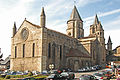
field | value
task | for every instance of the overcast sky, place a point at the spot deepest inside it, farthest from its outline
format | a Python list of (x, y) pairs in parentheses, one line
[(57, 14)]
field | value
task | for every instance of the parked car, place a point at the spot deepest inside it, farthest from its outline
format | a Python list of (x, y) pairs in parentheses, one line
[(53, 77), (100, 76), (93, 68), (68, 75), (65, 75), (87, 77), (84, 69), (44, 72)]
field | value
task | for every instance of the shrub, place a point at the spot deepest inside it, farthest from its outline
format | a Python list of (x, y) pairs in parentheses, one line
[(30, 74), (38, 77), (7, 77), (2, 76)]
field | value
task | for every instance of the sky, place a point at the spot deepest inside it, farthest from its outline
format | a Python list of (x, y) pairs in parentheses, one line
[(57, 14)]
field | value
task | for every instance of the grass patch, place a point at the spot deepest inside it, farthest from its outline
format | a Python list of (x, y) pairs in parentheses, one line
[(42, 76), (22, 76), (15, 76)]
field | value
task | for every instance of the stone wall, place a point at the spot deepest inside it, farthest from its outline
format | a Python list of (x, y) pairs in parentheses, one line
[(58, 40), (22, 64)]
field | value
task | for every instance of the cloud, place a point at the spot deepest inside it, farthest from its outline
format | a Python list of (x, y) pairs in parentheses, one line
[(113, 34), (82, 3), (62, 8), (55, 9), (101, 14), (89, 20), (109, 13), (114, 24), (111, 28), (8, 14)]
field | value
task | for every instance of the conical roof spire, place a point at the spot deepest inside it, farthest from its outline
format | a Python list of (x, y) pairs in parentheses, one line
[(43, 12), (14, 29), (14, 25), (96, 20), (109, 40), (75, 15), (42, 18), (99, 27)]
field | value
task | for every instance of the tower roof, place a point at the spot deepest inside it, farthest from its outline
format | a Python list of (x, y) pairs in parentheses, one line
[(99, 27), (14, 25), (96, 20), (75, 15), (109, 40), (42, 12)]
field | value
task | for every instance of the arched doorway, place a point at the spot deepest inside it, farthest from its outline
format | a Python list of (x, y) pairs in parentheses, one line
[(76, 65)]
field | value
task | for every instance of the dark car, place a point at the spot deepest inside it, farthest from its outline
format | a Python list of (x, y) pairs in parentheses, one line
[(87, 77), (54, 77)]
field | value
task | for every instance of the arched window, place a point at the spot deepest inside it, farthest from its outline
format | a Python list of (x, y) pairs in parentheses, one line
[(60, 52), (15, 51), (94, 54), (98, 33), (93, 30), (33, 53), (53, 52), (49, 50), (23, 50)]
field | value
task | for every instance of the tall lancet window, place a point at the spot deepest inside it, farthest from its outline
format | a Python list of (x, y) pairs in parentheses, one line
[(23, 50), (93, 30), (33, 53), (49, 50), (53, 52), (60, 52), (15, 51)]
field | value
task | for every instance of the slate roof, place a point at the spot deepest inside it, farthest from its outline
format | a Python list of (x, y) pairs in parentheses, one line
[(96, 20), (75, 15)]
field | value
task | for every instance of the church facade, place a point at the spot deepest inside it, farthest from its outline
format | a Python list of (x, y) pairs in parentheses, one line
[(35, 47)]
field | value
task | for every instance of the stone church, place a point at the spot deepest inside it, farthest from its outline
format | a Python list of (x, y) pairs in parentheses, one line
[(35, 47)]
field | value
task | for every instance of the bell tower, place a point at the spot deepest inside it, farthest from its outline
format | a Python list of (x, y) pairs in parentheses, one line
[(96, 29), (109, 44), (75, 25)]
